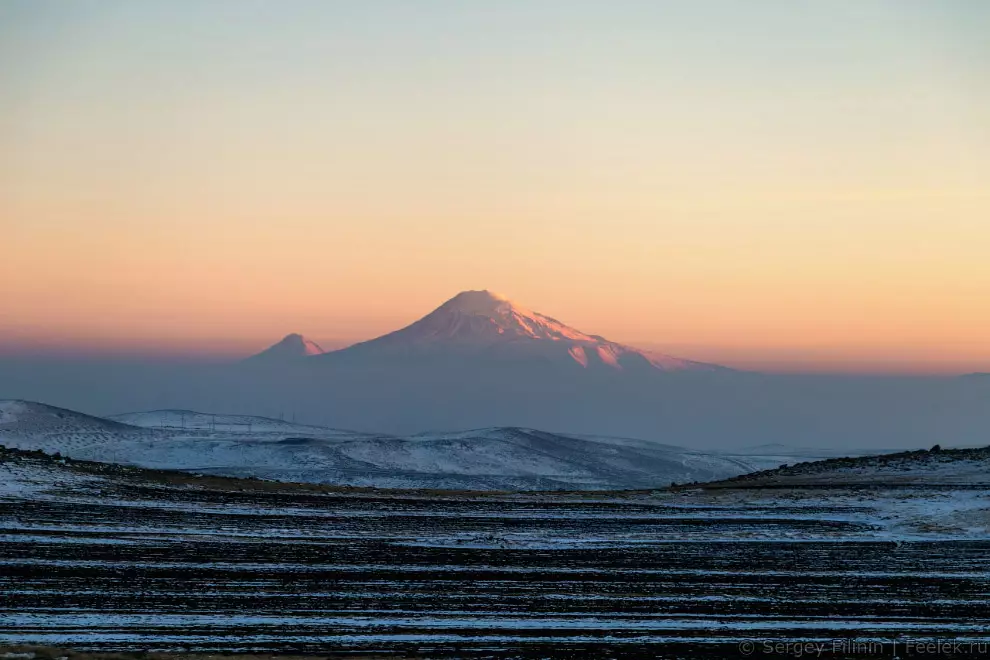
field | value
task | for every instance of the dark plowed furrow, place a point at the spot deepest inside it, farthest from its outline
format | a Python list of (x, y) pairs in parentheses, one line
[(348, 575)]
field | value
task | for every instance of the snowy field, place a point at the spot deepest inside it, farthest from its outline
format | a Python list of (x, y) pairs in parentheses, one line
[(105, 560)]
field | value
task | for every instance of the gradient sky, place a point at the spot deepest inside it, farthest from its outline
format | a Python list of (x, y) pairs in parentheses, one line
[(793, 185)]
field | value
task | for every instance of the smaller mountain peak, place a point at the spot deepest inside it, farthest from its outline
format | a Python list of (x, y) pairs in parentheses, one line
[(291, 346)]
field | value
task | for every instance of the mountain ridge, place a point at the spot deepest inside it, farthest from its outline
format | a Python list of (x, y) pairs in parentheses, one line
[(498, 458)]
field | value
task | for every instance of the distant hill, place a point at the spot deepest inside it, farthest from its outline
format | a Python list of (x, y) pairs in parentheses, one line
[(483, 459), (938, 467), (192, 420)]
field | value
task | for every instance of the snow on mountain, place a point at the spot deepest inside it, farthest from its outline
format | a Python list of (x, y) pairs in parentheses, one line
[(31, 425), (487, 324), (291, 347), (35, 417), (10, 411), (484, 459), (477, 361)]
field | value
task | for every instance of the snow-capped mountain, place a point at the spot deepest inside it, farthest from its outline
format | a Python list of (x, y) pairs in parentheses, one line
[(291, 347), (479, 360), (483, 323)]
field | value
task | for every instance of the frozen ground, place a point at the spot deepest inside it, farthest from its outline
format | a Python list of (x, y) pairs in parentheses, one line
[(483, 459), (938, 467), (99, 557)]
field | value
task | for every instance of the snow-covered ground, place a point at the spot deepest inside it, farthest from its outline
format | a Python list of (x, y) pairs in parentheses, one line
[(216, 566), (45, 479), (544, 520), (484, 459)]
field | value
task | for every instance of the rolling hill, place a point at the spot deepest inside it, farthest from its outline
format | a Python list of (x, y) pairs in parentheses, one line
[(484, 459)]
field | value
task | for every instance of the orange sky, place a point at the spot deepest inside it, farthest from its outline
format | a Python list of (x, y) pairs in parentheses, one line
[(789, 188)]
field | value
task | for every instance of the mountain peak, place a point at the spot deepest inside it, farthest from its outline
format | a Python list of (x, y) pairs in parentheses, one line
[(292, 346), (295, 342), (477, 302), (485, 317), (489, 324)]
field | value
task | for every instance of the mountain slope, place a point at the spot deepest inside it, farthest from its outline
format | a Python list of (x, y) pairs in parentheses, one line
[(32, 425), (482, 324), (190, 420), (483, 459), (33, 418)]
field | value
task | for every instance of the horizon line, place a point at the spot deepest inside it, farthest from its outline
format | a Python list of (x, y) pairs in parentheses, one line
[(801, 362)]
